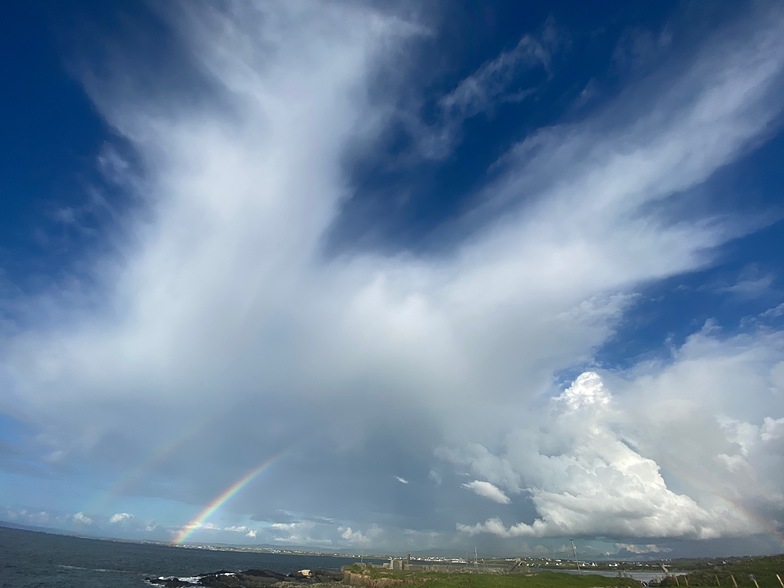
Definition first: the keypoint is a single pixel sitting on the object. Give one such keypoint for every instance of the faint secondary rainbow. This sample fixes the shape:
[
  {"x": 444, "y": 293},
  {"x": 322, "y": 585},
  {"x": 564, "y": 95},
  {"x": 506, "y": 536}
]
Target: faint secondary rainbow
[
  {"x": 737, "y": 507},
  {"x": 157, "y": 457},
  {"x": 766, "y": 525},
  {"x": 121, "y": 486},
  {"x": 223, "y": 497}
]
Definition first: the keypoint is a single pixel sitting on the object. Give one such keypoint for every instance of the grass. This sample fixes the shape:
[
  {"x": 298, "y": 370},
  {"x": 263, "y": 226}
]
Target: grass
[
  {"x": 542, "y": 580},
  {"x": 415, "y": 579},
  {"x": 717, "y": 572},
  {"x": 707, "y": 572}
]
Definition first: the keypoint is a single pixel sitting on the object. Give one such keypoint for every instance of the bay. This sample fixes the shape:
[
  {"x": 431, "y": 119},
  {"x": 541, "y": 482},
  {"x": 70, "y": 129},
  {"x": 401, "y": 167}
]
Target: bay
[{"x": 34, "y": 559}]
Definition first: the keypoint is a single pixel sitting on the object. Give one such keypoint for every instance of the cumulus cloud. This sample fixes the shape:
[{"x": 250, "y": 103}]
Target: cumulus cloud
[
  {"x": 242, "y": 529},
  {"x": 593, "y": 483},
  {"x": 357, "y": 537},
  {"x": 594, "y": 469},
  {"x": 638, "y": 549},
  {"x": 82, "y": 518},
  {"x": 120, "y": 517},
  {"x": 302, "y": 533},
  {"x": 221, "y": 308},
  {"x": 28, "y": 517},
  {"x": 237, "y": 529},
  {"x": 488, "y": 490}
]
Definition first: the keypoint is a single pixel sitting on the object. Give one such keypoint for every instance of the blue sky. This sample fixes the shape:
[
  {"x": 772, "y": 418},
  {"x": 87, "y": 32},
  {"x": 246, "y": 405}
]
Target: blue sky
[{"x": 489, "y": 277}]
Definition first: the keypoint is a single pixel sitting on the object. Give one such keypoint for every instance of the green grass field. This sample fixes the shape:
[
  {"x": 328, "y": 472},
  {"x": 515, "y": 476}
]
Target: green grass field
[
  {"x": 709, "y": 572},
  {"x": 494, "y": 580},
  {"x": 720, "y": 572},
  {"x": 542, "y": 580}
]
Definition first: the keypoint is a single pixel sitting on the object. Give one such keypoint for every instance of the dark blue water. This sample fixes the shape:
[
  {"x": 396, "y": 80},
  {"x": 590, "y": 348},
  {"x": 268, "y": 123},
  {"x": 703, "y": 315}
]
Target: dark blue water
[{"x": 28, "y": 559}]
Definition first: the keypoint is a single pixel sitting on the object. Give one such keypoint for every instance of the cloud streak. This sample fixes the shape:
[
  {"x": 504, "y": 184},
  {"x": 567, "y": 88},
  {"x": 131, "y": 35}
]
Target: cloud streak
[{"x": 487, "y": 490}]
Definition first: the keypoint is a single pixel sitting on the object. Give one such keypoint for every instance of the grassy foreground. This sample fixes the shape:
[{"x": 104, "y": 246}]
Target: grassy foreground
[
  {"x": 542, "y": 580},
  {"x": 744, "y": 570},
  {"x": 382, "y": 578}
]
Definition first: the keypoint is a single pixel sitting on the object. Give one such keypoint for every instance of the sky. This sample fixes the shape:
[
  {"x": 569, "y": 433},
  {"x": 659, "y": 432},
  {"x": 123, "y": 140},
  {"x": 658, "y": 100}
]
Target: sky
[{"x": 391, "y": 278}]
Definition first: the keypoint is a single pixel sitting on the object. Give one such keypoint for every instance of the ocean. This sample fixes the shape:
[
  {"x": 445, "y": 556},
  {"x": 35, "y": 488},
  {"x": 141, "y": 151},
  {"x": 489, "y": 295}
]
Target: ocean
[{"x": 33, "y": 559}]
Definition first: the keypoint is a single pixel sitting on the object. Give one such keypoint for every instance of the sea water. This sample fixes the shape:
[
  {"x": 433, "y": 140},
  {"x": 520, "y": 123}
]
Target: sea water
[{"x": 29, "y": 558}]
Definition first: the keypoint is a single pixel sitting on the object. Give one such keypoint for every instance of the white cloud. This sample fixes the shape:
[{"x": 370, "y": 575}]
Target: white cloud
[
  {"x": 494, "y": 83},
  {"x": 592, "y": 483},
  {"x": 237, "y": 529},
  {"x": 597, "y": 470},
  {"x": 774, "y": 312},
  {"x": 29, "y": 517},
  {"x": 82, "y": 518},
  {"x": 242, "y": 529},
  {"x": 491, "y": 82},
  {"x": 586, "y": 391},
  {"x": 751, "y": 288},
  {"x": 358, "y": 537},
  {"x": 488, "y": 490},
  {"x": 752, "y": 282},
  {"x": 401, "y": 480},
  {"x": 120, "y": 517},
  {"x": 303, "y": 533},
  {"x": 638, "y": 549}
]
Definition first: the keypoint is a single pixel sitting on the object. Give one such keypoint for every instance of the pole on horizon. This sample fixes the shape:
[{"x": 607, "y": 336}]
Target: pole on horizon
[{"x": 576, "y": 561}]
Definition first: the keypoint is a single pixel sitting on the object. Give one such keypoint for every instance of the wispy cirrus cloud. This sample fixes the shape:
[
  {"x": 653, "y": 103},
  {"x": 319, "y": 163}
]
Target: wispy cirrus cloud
[
  {"x": 511, "y": 77},
  {"x": 493, "y": 82}
]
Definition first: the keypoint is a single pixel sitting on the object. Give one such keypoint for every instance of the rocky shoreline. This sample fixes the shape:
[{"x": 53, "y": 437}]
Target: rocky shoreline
[{"x": 249, "y": 579}]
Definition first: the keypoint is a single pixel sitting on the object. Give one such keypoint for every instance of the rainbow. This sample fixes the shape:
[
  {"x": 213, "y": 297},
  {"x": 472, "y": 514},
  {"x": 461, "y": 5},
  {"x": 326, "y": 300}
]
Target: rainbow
[
  {"x": 765, "y": 526},
  {"x": 223, "y": 497},
  {"x": 133, "y": 475}
]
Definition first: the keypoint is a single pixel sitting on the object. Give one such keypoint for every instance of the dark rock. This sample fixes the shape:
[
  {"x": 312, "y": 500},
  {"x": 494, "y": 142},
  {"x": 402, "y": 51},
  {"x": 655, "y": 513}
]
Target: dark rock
[
  {"x": 250, "y": 579},
  {"x": 316, "y": 576},
  {"x": 265, "y": 574},
  {"x": 326, "y": 576},
  {"x": 170, "y": 582}
]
